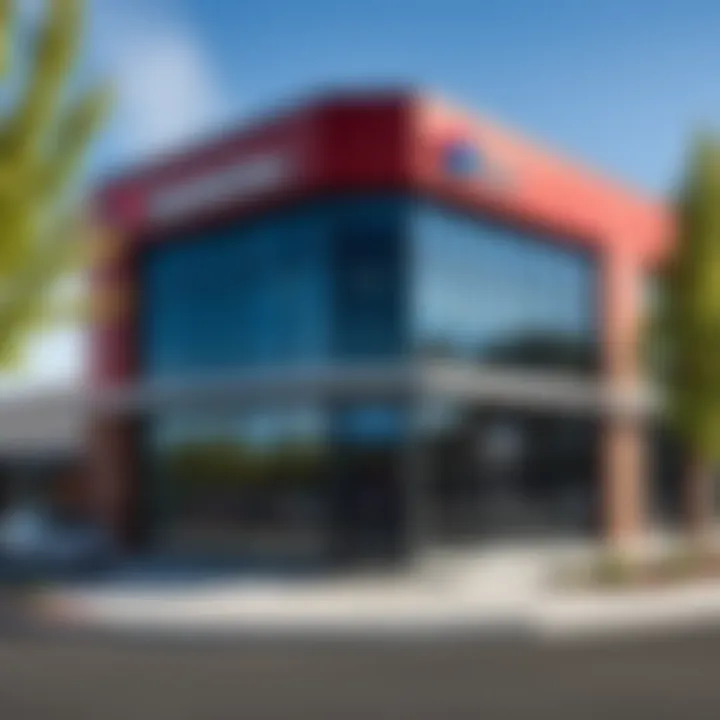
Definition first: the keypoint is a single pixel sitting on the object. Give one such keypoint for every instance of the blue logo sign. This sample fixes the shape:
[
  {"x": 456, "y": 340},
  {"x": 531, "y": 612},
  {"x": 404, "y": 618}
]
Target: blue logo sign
[{"x": 462, "y": 159}]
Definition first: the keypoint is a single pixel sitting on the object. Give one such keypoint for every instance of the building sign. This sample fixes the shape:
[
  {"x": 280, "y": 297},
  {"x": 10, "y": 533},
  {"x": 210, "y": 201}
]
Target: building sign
[
  {"x": 462, "y": 159},
  {"x": 238, "y": 181}
]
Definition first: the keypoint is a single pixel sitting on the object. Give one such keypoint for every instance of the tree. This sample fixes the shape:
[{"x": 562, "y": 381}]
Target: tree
[
  {"x": 43, "y": 141},
  {"x": 688, "y": 329}
]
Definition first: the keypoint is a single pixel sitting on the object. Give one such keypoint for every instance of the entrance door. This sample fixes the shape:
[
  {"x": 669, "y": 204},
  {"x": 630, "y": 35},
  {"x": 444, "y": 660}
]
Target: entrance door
[
  {"x": 367, "y": 500},
  {"x": 504, "y": 474}
]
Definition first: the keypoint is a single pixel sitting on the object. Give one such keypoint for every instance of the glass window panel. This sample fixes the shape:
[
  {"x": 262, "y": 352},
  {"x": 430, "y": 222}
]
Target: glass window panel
[
  {"x": 244, "y": 484},
  {"x": 298, "y": 287},
  {"x": 485, "y": 292},
  {"x": 328, "y": 281}
]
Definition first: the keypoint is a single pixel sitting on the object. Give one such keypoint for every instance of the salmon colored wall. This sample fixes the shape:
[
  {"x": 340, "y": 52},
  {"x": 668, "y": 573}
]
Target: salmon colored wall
[{"x": 540, "y": 186}]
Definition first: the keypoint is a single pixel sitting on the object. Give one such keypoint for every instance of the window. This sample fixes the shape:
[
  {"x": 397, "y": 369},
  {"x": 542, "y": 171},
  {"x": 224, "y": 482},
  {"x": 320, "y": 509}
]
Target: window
[
  {"x": 361, "y": 278},
  {"x": 368, "y": 279},
  {"x": 311, "y": 284},
  {"x": 247, "y": 482},
  {"x": 487, "y": 293}
]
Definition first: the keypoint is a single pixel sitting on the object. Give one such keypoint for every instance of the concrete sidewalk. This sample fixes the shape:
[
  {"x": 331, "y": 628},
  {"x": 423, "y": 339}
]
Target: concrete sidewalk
[
  {"x": 407, "y": 602},
  {"x": 499, "y": 591}
]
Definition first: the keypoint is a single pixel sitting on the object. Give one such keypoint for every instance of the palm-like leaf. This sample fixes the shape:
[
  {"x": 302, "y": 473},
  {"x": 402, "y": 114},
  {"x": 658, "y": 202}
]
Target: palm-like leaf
[{"x": 43, "y": 141}]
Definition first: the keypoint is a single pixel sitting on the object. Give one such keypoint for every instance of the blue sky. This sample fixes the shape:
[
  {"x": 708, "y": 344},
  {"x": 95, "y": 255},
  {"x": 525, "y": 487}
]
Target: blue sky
[{"x": 619, "y": 84}]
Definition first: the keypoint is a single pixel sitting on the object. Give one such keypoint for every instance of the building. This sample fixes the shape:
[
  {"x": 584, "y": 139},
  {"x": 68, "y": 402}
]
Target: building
[
  {"x": 42, "y": 445},
  {"x": 369, "y": 325}
]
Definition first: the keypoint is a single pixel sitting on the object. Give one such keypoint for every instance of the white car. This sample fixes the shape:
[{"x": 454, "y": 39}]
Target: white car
[{"x": 32, "y": 537}]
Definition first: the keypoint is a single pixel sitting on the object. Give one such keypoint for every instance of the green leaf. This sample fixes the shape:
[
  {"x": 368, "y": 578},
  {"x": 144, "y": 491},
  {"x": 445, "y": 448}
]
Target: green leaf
[
  {"x": 7, "y": 8},
  {"x": 686, "y": 328},
  {"x": 43, "y": 142}
]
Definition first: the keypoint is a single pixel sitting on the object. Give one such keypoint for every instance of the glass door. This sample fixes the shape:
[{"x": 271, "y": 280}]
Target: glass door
[{"x": 368, "y": 508}]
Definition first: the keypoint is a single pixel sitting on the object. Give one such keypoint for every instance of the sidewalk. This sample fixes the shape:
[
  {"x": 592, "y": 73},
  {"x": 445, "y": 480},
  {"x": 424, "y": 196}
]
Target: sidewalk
[
  {"x": 409, "y": 602},
  {"x": 502, "y": 591}
]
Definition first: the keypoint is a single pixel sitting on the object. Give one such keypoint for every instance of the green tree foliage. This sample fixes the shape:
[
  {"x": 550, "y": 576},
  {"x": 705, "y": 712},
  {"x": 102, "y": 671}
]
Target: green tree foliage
[
  {"x": 688, "y": 326},
  {"x": 44, "y": 136}
]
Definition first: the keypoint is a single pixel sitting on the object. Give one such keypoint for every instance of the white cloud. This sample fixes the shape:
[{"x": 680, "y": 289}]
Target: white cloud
[
  {"x": 168, "y": 92},
  {"x": 57, "y": 356}
]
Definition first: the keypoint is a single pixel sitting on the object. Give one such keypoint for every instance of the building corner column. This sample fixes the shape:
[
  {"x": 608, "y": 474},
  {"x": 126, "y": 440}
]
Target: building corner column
[
  {"x": 624, "y": 467},
  {"x": 624, "y": 483},
  {"x": 114, "y": 477}
]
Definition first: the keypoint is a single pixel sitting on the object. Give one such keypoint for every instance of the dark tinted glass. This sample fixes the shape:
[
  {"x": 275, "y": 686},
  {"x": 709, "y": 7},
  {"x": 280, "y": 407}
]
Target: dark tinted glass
[
  {"x": 354, "y": 278},
  {"x": 245, "y": 484},
  {"x": 305, "y": 286}
]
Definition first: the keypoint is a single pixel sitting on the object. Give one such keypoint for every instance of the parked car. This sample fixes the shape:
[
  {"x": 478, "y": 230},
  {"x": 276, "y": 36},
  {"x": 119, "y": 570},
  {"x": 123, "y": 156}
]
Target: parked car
[{"x": 40, "y": 540}]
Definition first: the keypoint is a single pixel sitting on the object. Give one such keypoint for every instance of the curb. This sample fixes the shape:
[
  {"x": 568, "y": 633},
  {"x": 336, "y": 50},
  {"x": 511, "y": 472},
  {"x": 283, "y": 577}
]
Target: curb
[
  {"x": 630, "y": 612},
  {"x": 551, "y": 617}
]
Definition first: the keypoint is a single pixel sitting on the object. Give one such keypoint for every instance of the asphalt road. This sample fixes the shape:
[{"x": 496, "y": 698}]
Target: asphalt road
[{"x": 445, "y": 678}]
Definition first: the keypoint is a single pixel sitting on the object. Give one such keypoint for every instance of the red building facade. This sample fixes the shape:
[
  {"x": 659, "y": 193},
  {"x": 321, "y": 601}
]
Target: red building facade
[{"x": 389, "y": 143}]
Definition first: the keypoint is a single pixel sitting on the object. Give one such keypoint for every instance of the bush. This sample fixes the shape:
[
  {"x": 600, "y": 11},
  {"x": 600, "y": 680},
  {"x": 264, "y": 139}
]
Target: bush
[{"x": 613, "y": 569}]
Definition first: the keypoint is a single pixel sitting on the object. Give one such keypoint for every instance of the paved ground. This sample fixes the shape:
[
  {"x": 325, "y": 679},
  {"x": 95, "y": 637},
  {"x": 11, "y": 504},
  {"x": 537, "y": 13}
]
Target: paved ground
[{"x": 444, "y": 678}]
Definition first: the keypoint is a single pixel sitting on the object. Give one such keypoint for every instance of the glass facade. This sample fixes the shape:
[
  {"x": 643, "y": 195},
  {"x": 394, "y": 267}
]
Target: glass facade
[
  {"x": 368, "y": 496},
  {"x": 366, "y": 278},
  {"x": 238, "y": 297},
  {"x": 361, "y": 278},
  {"x": 287, "y": 484},
  {"x": 248, "y": 483},
  {"x": 300, "y": 288},
  {"x": 499, "y": 472},
  {"x": 490, "y": 294}
]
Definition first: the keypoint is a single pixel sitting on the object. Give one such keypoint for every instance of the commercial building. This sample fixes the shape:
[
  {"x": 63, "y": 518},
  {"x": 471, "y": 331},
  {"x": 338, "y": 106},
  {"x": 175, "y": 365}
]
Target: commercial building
[
  {"x": 369, "y": 325},
  {"x": 42, "y": 445}
]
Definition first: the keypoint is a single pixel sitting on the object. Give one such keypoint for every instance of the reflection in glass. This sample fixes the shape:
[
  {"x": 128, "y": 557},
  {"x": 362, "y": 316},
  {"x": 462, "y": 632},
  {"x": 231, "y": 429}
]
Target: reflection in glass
[
  {"x": 249, "y": 484},
  {"x": 496, "y": 472},
  {"x": 307, "y": 285},
  {"x": 369, "y": 496},
  {"x": 352, "y": 278},
  {"x": 483, "y": 292}
]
